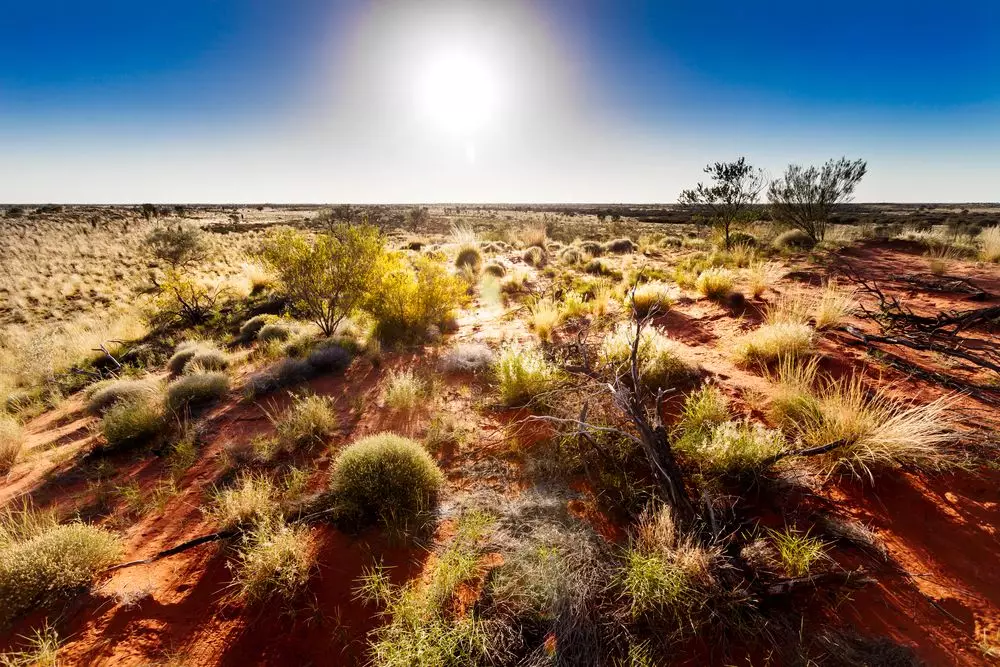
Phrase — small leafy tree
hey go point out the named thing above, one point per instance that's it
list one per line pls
(414, 296)
(804, 197)
(730, 198)
(327, 277)
(149, 211)
(177, 245)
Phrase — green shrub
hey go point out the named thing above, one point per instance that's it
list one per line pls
(132, 423)
(703, 410)
(11, 442)
(662, 362)
(196, 390)
(183, 353)
(715, 283)
(109, 394)
(797, 551)
(273, 560)
(385, 478)
(592, 248)
(41, 561)
(523, 375)
(330, 276)
(414, 299)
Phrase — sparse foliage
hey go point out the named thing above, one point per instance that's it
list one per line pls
(804, 197)
(730, 199)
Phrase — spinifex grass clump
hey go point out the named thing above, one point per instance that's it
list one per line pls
(662, 362)
(524, 375)
(384, 478)
(874, 430)
(42, 561)
(769, 343)
(652, 297)
(11, 441)
(133, 423)
(196, 390)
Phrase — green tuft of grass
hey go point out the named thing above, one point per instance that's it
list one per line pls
(131, 424)
(252, 500)
(404, 391)
(715, 283)
(798, 551)
(524, 375)
(663, 362)
(652, 297)
(733, 448)
(273, 560)
(41, 650)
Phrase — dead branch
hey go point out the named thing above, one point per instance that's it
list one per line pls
(850, 578)
(184, 546)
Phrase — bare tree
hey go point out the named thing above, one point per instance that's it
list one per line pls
(735, 189)
(804, 197)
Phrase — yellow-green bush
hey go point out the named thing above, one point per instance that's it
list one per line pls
(662, 362)
(523, 374)
(413, 298)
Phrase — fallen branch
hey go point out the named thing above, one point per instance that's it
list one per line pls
(812, 451)
(190, 544)
(852, 578)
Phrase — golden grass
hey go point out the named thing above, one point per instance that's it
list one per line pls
(715, 283)
(652, 297)
(771, 342)
(11, 442)
(989, 244)
(404, 390)
(662, 362)
(543, 317)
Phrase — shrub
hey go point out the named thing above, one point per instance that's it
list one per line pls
(716, 283)
(469, 258)
(989, 241)
(733, 448)
(592, 248)
(662, 362)
(771, 342)
(414, 299)
(109, 394)
(650, 297)
(251, 501)
(598, 267)
(523, 375)
(188, 300)
(330, 276)
(794, 238)
(196, 390)
(286, 373)
(273, 560)
(403, 390)
(280, 331)
(310, 420)
(621, 246)
(468, 358)
(11, 441)
(177, 246)
(132, 423)
(535, 256)
(41, 561)
(385, 478)
(667, 573)
(804, 198)
(252, 326)
(534, 236)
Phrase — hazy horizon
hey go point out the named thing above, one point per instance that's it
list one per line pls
(468, 101)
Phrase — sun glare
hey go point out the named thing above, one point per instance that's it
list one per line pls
(457, 92)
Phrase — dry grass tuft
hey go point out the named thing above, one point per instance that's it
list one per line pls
(663, 362)
(652, 297)
(11, 442)
(771, 342)
(715, 283)
(523, 375)
(404, 390)
(989, 244)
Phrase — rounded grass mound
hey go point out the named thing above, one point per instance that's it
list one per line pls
(196, 390)
(772, 342)
(385, 478)
(109, 394)
(470, 258)
(185, 352)
(53, 563)
(132, 423)
(662, 362)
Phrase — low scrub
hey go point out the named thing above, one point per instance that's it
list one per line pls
(416, 300)
(250, 328)
(196, 355)
(797, 551)
(732, 448)
(384, 478)
(196, 390)
(133, 423)
(523, 375)
(468, 358)
(543, 317)
(770, 343)
(876, 431)
(42, 561)
(989, 244)
(11, 442)
(535, 256)
(662, 362)
(621, 246)
(794, 239)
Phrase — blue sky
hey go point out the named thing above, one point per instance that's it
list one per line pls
(302, 100)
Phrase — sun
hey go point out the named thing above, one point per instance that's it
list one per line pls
(457, 92)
